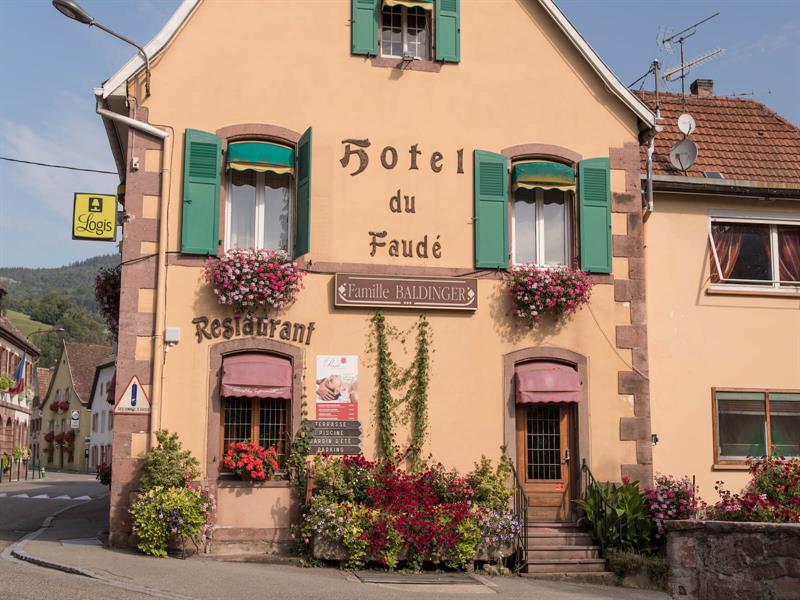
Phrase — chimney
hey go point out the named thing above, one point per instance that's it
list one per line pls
(702, 87)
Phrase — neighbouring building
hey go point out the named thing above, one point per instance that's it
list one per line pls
(723, 288)
(44, 376)
(450, 141)
(101, 405)
(16, 397)
(66, 418)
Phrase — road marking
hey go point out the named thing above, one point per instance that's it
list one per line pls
(41, 496)
(62, 498)
(21, 496)
(3, 495)
(83, 498)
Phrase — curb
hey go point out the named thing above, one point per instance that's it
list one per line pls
(15, 552)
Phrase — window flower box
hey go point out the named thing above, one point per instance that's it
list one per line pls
(64, 405)
(248, 278)
(558, 291)
(54, 406)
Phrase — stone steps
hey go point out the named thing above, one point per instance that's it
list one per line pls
(556, 548)
(566, 565)
(562, 552)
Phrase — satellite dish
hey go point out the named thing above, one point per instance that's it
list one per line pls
(683, 155)
(686, 124)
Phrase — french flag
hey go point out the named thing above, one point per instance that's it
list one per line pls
(19, 376)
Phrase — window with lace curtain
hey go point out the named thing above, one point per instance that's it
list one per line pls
(755, 252)
(258, 210)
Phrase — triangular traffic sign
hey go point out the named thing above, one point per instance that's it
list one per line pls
(133, 399)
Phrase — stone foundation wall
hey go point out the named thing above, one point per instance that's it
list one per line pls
(710, 560)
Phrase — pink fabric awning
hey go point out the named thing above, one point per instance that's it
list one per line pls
(256, 375)
(542, 381)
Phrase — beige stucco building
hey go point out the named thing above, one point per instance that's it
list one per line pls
(62, 438)
(723, 266)
(392, 155)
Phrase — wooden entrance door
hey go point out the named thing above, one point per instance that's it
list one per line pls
(544, 455)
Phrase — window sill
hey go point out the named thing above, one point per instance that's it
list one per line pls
(730, 467)
(235, 483)
(732, 290)
(388, 62)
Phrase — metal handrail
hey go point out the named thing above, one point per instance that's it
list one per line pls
(521, 514)
(591, 481)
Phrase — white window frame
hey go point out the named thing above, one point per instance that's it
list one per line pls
(753, 218)
(404, 34)
(540, 230)
(260, 210)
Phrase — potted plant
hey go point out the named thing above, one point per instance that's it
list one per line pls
(64, 405)
(250, 278)
(558, 291)
(248, 460)
(69, 436)
(59, 438)
(54, 405)
(104, 474)
(106, 292)
(49, 437)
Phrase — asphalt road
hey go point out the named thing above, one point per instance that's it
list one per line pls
(20, 515)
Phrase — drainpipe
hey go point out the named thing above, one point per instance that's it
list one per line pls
(158, 347)
(650, 148)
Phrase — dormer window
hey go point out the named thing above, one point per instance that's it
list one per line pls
(406, 29)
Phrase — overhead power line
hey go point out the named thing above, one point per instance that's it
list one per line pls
(39, 164)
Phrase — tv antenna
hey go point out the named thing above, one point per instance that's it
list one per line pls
(680, 38)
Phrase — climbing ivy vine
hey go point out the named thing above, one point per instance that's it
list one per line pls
(413, 382)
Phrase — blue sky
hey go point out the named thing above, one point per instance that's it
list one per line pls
(50, 64)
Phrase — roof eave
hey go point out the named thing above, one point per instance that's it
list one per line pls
(751, 188)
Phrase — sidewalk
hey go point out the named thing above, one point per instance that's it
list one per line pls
(72, 543)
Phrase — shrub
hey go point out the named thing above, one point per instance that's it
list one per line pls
(379, 509)
(5, 462)
(248, 460)
(167, 465)
(555, 290)
(617, 516)
(246, 278)
(490, 484)
(625, 563)
(773, 494)
(159, 512)
(671, 499)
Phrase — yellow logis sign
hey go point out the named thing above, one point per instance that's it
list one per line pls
(94, 217)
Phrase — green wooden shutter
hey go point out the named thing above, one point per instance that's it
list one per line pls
(491, 209)
(202, 153)
(594, 195)
(364, 27)
(302, 221)
(448, 30)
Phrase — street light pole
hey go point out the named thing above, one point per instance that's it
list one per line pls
(71, 9)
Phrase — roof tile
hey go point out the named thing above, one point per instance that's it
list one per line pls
(741, 138)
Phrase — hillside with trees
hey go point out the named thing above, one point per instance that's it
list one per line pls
(54, 298)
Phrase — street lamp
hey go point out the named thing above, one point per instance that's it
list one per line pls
(71, 9)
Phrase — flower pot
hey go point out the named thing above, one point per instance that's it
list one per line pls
(493, 552)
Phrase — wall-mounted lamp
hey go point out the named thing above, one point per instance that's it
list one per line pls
(71, 9)
(654, 438)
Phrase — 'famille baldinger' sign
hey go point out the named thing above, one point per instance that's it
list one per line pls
(390, 291)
